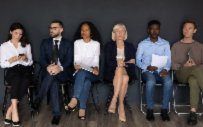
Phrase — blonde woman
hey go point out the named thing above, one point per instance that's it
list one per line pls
(119, 67)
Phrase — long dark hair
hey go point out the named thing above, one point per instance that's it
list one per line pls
(16, 26)
(95, 35)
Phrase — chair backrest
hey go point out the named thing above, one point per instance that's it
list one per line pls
(32, 68)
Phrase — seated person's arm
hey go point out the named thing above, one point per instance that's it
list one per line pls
(174, 57)
(76, 57)
(96, 60)
(108, 59)
(5, 62)
(139, 57)
(167, 52)
(69, 57)
(27, 58)
(43, 58)
(67, 60)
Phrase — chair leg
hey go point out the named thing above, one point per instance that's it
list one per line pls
(63, 95)
(97, 108)
(141, 96)
(7, 91)
(127, 103)
(67, 94)
(29, 101)
(97, 98)
(109, 99)
(174, 101)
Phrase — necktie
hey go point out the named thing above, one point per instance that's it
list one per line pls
(55, 53)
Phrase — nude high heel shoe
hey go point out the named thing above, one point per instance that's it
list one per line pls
(120, 118)
(111, 111)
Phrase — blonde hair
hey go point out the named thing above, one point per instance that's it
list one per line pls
(116, 27)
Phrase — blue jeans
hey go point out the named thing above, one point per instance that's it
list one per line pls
(51, 82)
(82, 86)
(151, 79)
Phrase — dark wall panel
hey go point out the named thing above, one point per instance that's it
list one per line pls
(37, 15)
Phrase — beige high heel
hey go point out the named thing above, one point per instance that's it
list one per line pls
(120, 118)
(111, 111)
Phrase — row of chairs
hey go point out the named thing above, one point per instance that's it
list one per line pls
(175, 87)
(66, 94)
(63, 88)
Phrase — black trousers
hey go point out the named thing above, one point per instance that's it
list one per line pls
(19, 77)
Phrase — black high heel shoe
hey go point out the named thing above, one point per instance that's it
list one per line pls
(7, 121)
(69, 110)
(82, 117)
(15, 124)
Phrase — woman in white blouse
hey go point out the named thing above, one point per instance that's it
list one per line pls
(86, 55)
(16, 56)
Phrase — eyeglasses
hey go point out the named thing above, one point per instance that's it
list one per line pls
(54, 28)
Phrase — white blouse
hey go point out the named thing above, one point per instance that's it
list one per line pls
(8, 51)
(86, 53)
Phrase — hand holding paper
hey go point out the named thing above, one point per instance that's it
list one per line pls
(159, 61)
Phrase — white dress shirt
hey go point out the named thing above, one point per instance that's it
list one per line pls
(8, 51)
(59, 40)
(86, 53)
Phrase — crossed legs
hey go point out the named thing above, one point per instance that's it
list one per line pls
(120, 83)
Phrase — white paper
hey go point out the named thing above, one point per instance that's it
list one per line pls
(159, 61)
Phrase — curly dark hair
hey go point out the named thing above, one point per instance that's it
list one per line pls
(23, 39)
(95, 35)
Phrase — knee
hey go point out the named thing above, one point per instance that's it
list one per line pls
(193, 82)
(56, 83)
(168, 83)
(125, 79)
(80, 72)
(197, 69)
(119, 69)
(150, 83)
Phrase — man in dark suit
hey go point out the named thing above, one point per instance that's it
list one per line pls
(56, 56)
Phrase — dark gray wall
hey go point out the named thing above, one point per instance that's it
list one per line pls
(37, 15)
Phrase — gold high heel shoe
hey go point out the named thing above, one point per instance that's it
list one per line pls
(120, 118)
(111, 111)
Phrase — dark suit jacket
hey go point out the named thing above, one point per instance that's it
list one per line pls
(65, 54)
(110, 58)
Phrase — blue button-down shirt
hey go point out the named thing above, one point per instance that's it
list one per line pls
(145, 50)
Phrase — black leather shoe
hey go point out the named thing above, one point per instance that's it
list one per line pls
(6, 121)
(150, 115)
(192, 120)
(164, 115)
(36, 104)
(16, 124)
(55, 120)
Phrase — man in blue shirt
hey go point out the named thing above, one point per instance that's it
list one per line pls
(151, 74)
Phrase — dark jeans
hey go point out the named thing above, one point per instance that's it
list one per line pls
(151, 79)
(19, 77)
(51, 82)
(82, 85)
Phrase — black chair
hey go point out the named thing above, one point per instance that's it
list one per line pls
(142, 84)
(111, 92)
(176, 86)
(71, 83)
(31, 88)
